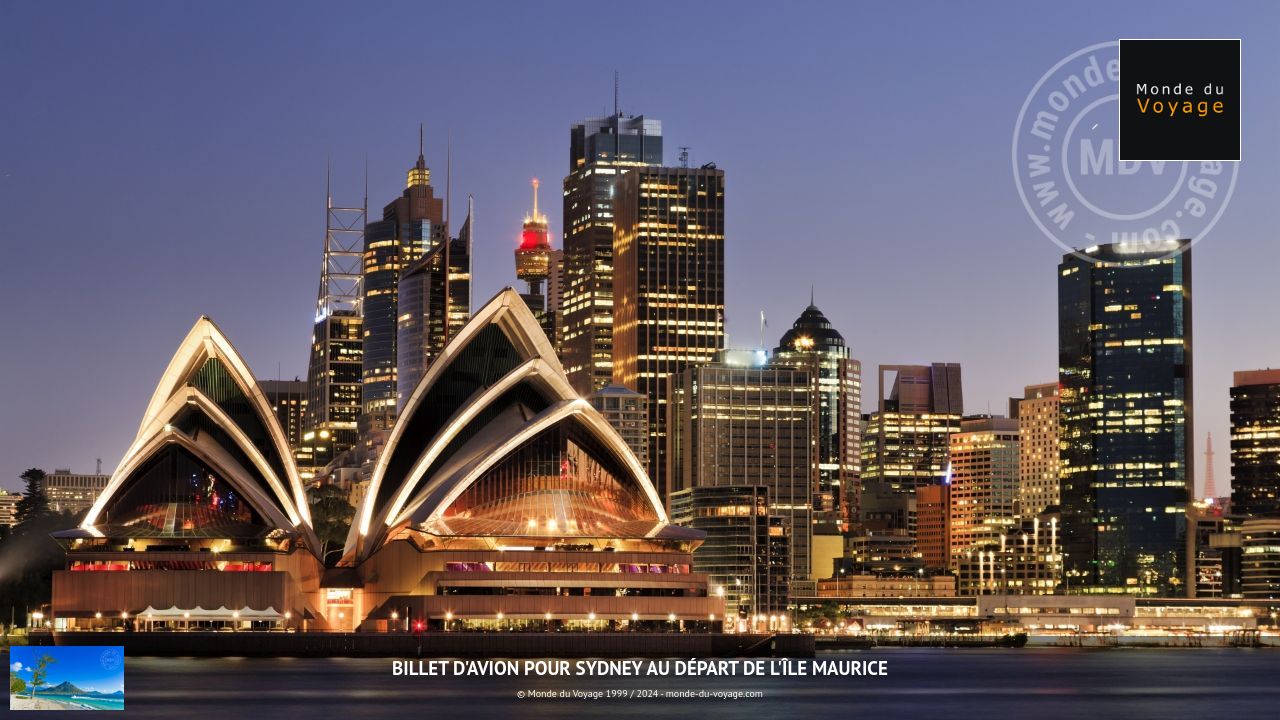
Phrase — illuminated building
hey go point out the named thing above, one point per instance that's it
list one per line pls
(600, 150)
(628, 412)
(206, 509)
(891, 585)
(668, 286)
(746, 427)
(1037, 414)
(337, 343)
(813, 345)
(502, 500)
(434, 303)
(289, 399)
(933, 525)
(1125, 378)
(72, 492)
(746, 554)
(1213, 552)
(984, 481)
(1025, 559)
(533, 265)
(411, 225)
(1260, 558)
(906, 442)
(1255, 443)
(9, 508)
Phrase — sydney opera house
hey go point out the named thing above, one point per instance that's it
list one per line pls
(501, 501)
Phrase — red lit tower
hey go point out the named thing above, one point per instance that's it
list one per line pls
(534, 258)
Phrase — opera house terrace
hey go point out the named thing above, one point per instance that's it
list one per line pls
(500, 501)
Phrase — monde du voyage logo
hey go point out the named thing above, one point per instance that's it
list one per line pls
(1131, 142)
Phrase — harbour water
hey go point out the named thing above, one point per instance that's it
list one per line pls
(1093, 684)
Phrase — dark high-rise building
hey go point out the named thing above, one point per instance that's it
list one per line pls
(813, 345)
(906, 442)
(745, 555)
(600, 150)
(746, 427)
(1124, 358)
(337, 344)
(434, 303)
(289, 400)
(668, 311)
(1255, 443)
(411, 225)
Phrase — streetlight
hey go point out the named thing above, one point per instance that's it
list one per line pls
(395, 620)
(448, 620)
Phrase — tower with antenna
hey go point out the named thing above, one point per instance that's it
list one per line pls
(533, 263)
(337, 344)
(1210, 487)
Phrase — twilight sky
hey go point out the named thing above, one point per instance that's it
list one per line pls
(163, 161)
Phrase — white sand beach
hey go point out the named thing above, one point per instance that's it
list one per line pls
(41, 703)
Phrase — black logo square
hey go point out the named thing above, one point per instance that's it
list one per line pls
(1180, 100)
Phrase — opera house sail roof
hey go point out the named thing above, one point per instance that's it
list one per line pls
(494, 442)
(209, 461)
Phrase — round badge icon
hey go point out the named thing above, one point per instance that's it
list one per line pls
(1073, 184)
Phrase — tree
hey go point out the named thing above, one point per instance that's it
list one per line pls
(16, 684)
(40, 673)
(331, 515)
(34, 502)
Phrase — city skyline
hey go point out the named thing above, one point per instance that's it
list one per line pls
(206, 180)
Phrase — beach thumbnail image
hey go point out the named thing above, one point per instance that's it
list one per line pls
(79, 677)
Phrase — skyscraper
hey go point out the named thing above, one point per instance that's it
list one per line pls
(906, 442)
(411, 225)
(337, 343)
(1038, 448)
(600, 150)
(744, 427)
(289, 399)
(1124, 357)
(1255, 443)
(434, 302)
(668, 311)
(983, 481)
(813, 345)
(933, 525)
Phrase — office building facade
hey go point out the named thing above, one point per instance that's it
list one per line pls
(1125, 379)
(734, 426)
(1255, 443)
(1037, 414)
(600, 150)
(668, 309)
(411, 225)
(906, 442)
(72, 492)
(984, 481)
(745, 555)
(813, 345)
(627, 411)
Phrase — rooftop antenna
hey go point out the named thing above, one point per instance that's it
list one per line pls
(99, 472)
(810, 296)
(684, 156)
(419, 140)
(616, 112)
(448, 179)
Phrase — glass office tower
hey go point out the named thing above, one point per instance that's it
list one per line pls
(1124, 351)
(600, 150)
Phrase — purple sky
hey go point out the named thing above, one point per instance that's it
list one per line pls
(160, 161)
